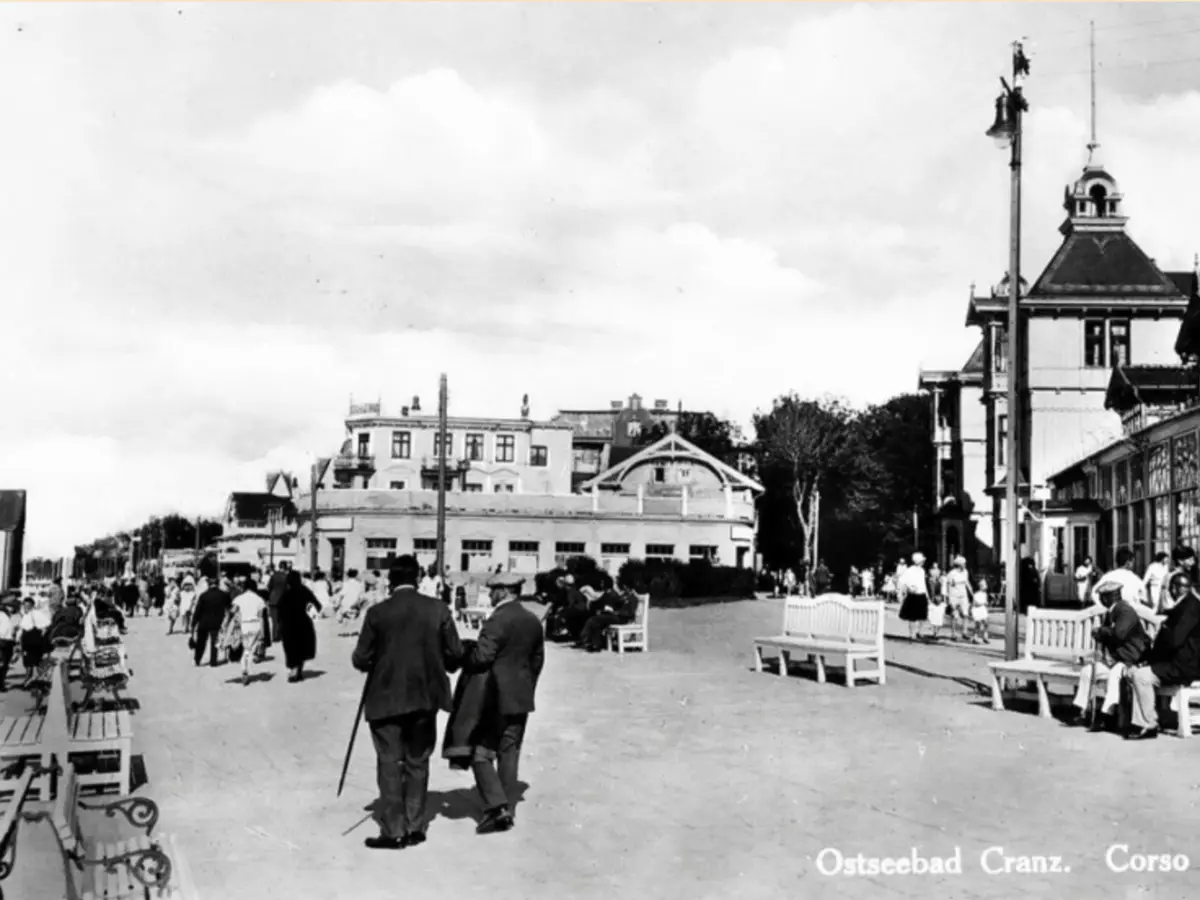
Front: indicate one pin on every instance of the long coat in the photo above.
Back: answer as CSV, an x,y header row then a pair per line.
x,y
408,644
296,630
512,646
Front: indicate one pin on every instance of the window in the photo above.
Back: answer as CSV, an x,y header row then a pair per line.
x,y
1187,526
1122,535
585,460
522,546
1118,342
473,488
999,350
948,488
381,552
1183,470
502,488
614,549
401,444
570,547
1159,465
539,456
633,429
477,546
1122,492
702,551
667,550
660,474
425,544
1106,487
1137,477
1093,344
1001,438
475,447
685,473
364,445
437,444
1105,343
506,448
1160,524
398,485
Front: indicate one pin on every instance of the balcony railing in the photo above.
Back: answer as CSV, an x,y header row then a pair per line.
x,y
453,462
357,461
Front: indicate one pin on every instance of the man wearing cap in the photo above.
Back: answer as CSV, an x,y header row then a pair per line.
x,y
512,647
407,645
1123,642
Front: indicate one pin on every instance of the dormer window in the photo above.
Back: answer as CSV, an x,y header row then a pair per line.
x,y
1099,200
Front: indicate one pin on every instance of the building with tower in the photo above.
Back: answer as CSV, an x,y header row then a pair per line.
x,y
1100,305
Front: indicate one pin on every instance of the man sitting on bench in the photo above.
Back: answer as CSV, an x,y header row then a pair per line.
x,y
1173,660
1123,642
611,609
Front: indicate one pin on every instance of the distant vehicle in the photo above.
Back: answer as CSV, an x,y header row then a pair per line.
x,y
177,563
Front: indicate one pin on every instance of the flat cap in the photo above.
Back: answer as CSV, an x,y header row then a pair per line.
x,y
506,580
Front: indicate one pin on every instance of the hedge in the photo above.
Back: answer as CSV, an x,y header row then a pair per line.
x,y
664,579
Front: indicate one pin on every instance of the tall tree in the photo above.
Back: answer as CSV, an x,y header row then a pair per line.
x,y
808,445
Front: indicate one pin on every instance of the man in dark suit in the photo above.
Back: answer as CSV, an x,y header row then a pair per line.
x,y
407,644
207,619
1174,658
276,586
1124,642
511,645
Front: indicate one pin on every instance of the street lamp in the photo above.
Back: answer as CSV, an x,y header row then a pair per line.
x,y
1006,132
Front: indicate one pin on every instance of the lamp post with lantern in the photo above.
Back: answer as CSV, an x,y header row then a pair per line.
x,y
1006,131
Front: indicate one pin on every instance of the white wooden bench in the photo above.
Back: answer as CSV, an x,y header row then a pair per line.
x,y
8,824
1058,643
135,867
830,626
60,733
634,635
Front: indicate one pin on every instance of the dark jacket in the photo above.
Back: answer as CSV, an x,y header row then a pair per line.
x,y
407,645
1175,656
296,630
276,585
511,645
1122,634
210,610
473,722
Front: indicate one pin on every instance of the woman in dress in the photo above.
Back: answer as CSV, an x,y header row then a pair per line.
x,y
296,631
958,596
913,592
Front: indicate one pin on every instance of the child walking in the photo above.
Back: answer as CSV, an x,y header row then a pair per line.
x,y
979,613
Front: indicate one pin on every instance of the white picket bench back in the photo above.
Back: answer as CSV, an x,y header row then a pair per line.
x,y
1067,634
834,618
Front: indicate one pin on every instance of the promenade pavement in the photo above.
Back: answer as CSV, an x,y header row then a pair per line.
x,y
680,773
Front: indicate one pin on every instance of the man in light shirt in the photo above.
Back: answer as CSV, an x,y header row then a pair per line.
x,y
350,597
1155,580
1133,589
251,610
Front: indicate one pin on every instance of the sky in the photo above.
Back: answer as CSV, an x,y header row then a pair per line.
x,y
220,222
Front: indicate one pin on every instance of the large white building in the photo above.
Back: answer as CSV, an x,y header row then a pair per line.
x,y
1099,303
509,499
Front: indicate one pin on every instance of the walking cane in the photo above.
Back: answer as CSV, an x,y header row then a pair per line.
x,y
1091,686
353,734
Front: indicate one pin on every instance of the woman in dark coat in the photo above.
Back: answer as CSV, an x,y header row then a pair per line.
x,y
296,631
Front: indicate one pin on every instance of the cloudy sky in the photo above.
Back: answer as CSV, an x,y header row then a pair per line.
x,y
219,221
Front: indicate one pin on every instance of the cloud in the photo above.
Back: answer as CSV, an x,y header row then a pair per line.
x,y
198,293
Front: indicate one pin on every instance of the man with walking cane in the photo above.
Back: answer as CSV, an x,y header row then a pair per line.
x,y
407,645
1121,641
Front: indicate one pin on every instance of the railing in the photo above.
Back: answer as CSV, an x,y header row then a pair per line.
x,y
453,462
354,461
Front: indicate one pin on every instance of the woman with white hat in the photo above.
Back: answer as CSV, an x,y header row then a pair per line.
x,y
958,596
913,592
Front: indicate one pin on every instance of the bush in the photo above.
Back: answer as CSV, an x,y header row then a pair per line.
x,y
585,570
668,578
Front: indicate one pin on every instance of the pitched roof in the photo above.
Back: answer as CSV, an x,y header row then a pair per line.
x,y
1132,386
248,507
1103,264
974,363
672,446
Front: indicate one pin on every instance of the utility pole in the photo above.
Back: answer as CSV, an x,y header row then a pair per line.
x,y
1006,130
272,517
312,542
443,401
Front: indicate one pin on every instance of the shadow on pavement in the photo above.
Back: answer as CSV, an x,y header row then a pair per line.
x,y
977,686
256,677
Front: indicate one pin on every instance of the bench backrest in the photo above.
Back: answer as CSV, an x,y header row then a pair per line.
x,y
58,707
1067,633
642,616
12,813
834,617
64,816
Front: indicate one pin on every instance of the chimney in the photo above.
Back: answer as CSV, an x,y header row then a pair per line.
x,y
635,401
525,407
660,404
416,404
404,411
617,404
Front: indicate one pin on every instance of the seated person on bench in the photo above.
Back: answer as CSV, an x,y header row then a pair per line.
x,y
611,609
1121,642
1173,660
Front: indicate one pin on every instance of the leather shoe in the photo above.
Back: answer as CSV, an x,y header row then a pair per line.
x,y
495,822
383,842
413,838
1142,734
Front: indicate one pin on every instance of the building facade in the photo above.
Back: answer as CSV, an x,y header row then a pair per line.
x,y
601,438
509,504
12,539
259,529
1100,303
962,509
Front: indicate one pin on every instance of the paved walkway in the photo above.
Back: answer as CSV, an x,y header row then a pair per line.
x,y
677,774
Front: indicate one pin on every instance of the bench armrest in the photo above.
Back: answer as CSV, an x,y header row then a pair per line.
x,y
140,812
